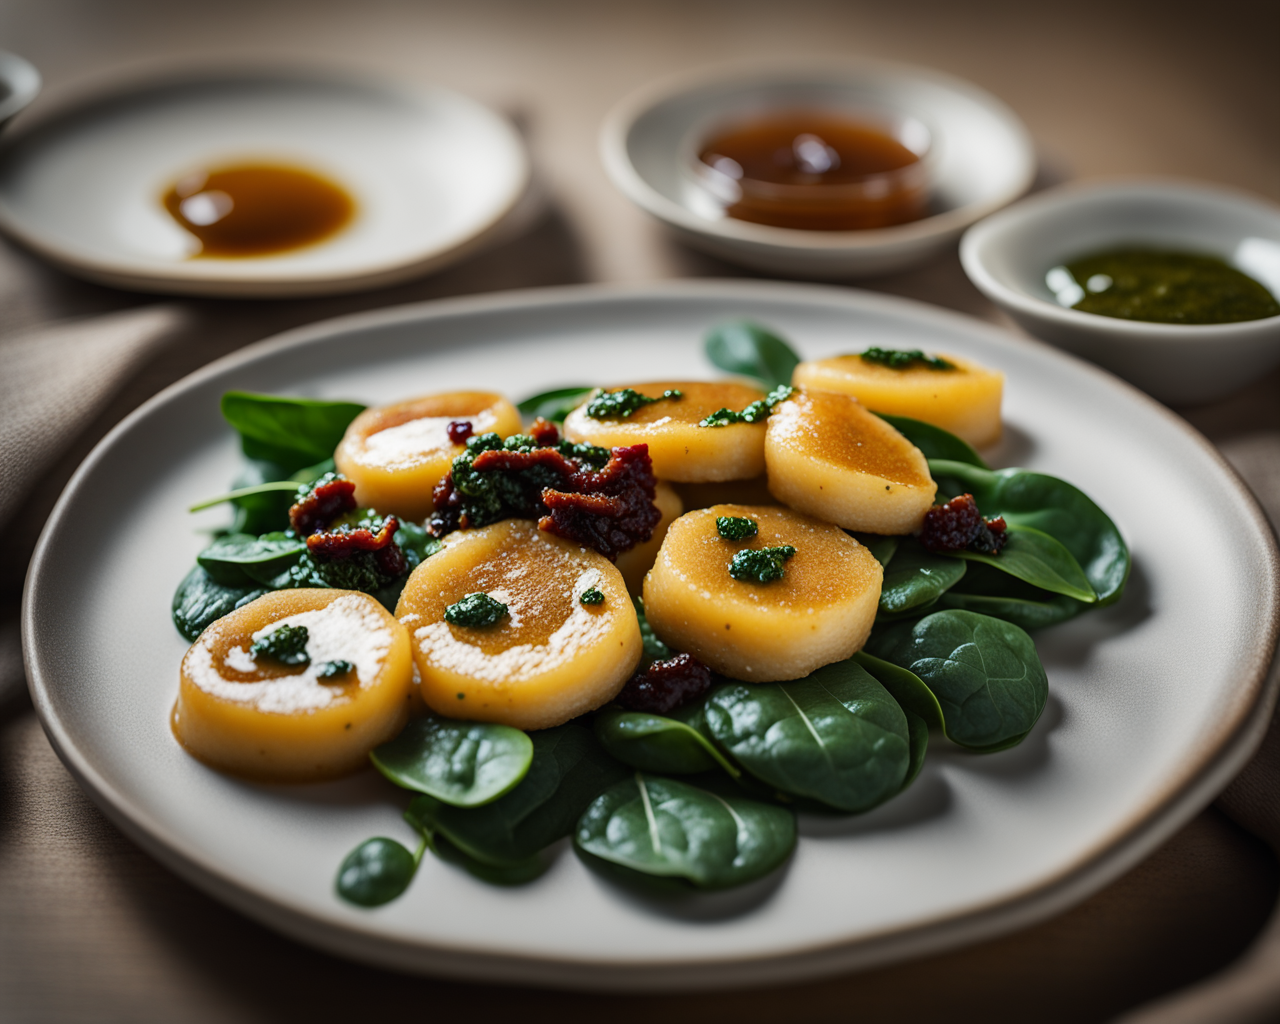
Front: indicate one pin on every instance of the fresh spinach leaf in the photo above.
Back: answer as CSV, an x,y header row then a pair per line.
x,y
657,743
917,577
985,673
671,829
199,601
293,432
836,736
569,769
1054,506
376,872
654,649
907,688
1034,557
263,494
242,560
518,873
934,442
748,349
465,764
918,741
553,405
882,548
1021,611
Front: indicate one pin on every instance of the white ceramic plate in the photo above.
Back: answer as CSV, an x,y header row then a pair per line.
x,y
1154,703
981,158
432,174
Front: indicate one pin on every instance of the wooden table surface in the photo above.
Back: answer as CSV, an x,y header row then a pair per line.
x,y
92,929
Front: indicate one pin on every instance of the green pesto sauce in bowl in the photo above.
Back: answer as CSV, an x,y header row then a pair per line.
x,y
1161,287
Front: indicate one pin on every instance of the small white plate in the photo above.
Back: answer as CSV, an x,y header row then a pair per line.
x,y
432,174
1008,256
981,158
1155,703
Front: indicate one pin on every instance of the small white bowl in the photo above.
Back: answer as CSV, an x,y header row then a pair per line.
x,y
1008,255
981,159
19,84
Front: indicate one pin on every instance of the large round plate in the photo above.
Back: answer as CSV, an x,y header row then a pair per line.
x,y
1154,703
432,174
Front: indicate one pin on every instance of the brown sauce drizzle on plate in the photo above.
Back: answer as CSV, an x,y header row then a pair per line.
x,y
258,209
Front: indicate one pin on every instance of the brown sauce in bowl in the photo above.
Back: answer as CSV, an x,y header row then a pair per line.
x,y
815,171
258,209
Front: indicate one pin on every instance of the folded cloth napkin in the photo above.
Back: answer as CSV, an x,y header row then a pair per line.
x,y
58,378
55,381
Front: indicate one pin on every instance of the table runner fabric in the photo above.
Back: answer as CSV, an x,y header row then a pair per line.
x,y
58,378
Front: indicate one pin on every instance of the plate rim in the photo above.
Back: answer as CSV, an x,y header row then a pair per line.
x,y
87,95
616,128
1218,757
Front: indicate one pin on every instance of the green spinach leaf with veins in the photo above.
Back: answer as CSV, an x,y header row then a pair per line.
x,y
243,560
199,601
671,829
464,764
292,432
569,769
1036,558
676,744
836,736
984,672
1051,505
915,577
747,348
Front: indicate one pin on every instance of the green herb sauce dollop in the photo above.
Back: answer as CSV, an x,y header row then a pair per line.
x,y
287,645
1161,287
761,565
736,527
756,412
475,610
614,405
904,359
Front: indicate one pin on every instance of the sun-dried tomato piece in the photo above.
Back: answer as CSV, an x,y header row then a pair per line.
x,y
459,431
666,685
517,462
959,526
329,498
609,509
544,432
346,541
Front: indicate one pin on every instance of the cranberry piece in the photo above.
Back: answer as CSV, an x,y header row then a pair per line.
x,y
666,685
459,431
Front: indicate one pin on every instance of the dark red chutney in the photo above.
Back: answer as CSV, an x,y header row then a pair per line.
x,y
330,497
959,526
334,496
606,507
665,685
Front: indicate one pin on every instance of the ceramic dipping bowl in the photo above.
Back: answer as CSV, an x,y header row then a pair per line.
x,y
1008,256
980,158
19,84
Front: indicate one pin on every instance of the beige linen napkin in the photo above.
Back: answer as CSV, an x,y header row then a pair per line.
x,y
53,382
